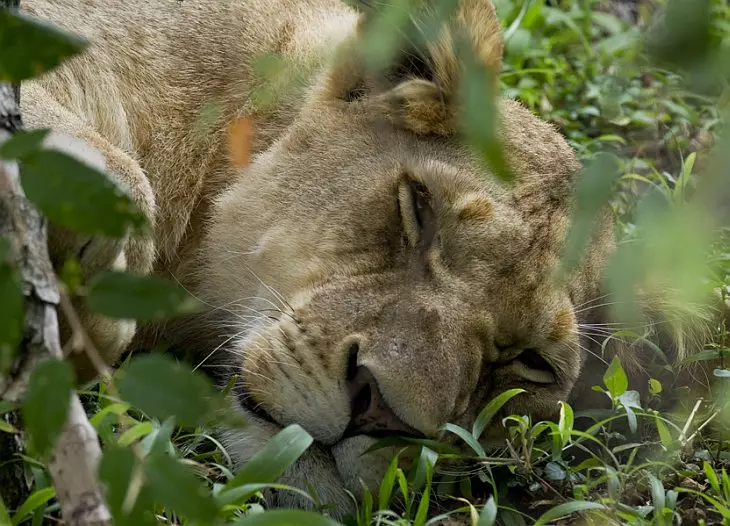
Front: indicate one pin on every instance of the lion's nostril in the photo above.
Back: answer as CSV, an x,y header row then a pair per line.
x,y
352,361
370,413
361,402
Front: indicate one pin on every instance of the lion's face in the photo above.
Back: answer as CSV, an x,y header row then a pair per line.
x,y
375,280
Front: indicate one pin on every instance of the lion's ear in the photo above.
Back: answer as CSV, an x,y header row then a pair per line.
x,y
417,88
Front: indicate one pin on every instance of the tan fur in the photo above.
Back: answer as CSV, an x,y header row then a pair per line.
x,y
318,245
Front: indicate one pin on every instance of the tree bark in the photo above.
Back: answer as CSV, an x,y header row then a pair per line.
x,y
75,456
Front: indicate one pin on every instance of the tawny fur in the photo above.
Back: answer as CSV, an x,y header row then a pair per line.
x,y
320,243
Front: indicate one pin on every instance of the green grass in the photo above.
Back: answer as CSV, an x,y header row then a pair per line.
x,y
587,72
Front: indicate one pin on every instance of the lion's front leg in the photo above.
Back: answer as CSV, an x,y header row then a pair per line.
x,y
72,135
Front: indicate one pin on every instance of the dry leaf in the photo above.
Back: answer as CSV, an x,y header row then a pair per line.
x,y
240,135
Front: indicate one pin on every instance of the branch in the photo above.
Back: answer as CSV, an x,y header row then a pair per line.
x,y
75,457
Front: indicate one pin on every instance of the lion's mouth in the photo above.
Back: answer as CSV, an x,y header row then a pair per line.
x,y
249,403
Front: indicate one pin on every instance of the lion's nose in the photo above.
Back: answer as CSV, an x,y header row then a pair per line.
x,y
370,415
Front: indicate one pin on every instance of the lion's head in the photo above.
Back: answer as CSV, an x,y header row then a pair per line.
x,y
373,277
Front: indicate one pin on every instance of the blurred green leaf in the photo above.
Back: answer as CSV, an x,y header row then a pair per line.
x,y
162,388
47,401
117,468
595,188
31,47
131,296
565,422
615,379
12,308
491,409
243,493
478,116
270,463
72,194
177,488
22,143
683,37
135,432
385,32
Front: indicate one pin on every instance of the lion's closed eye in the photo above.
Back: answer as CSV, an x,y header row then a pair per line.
x,y
417,214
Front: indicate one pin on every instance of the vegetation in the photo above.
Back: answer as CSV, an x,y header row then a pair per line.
x,y
642,106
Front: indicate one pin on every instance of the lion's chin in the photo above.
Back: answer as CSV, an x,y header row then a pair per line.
x,y
336,474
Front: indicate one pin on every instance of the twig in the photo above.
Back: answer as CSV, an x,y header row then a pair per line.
x,y
75,456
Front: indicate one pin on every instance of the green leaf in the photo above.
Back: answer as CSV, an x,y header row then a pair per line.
x,y
386,487
270,463
427,459
135,432
47,401
241,494
34,501
402,484
422,512
5,426
565,424
658,494
162,388
283,517
22,143
615,379
176,487
144,298
400,441
466,437
664,434
707,355
74,195
712,477
488,516
12,308
366,507
554,471
655,386
116,471
4,515
630,400
568,508
491,409
31,47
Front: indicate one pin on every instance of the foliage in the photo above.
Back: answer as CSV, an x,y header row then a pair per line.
x,y
649,108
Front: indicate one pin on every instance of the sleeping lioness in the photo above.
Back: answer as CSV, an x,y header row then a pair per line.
x,y
365,273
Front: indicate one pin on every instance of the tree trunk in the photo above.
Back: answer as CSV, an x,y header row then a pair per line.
x,y
76,453
13,486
